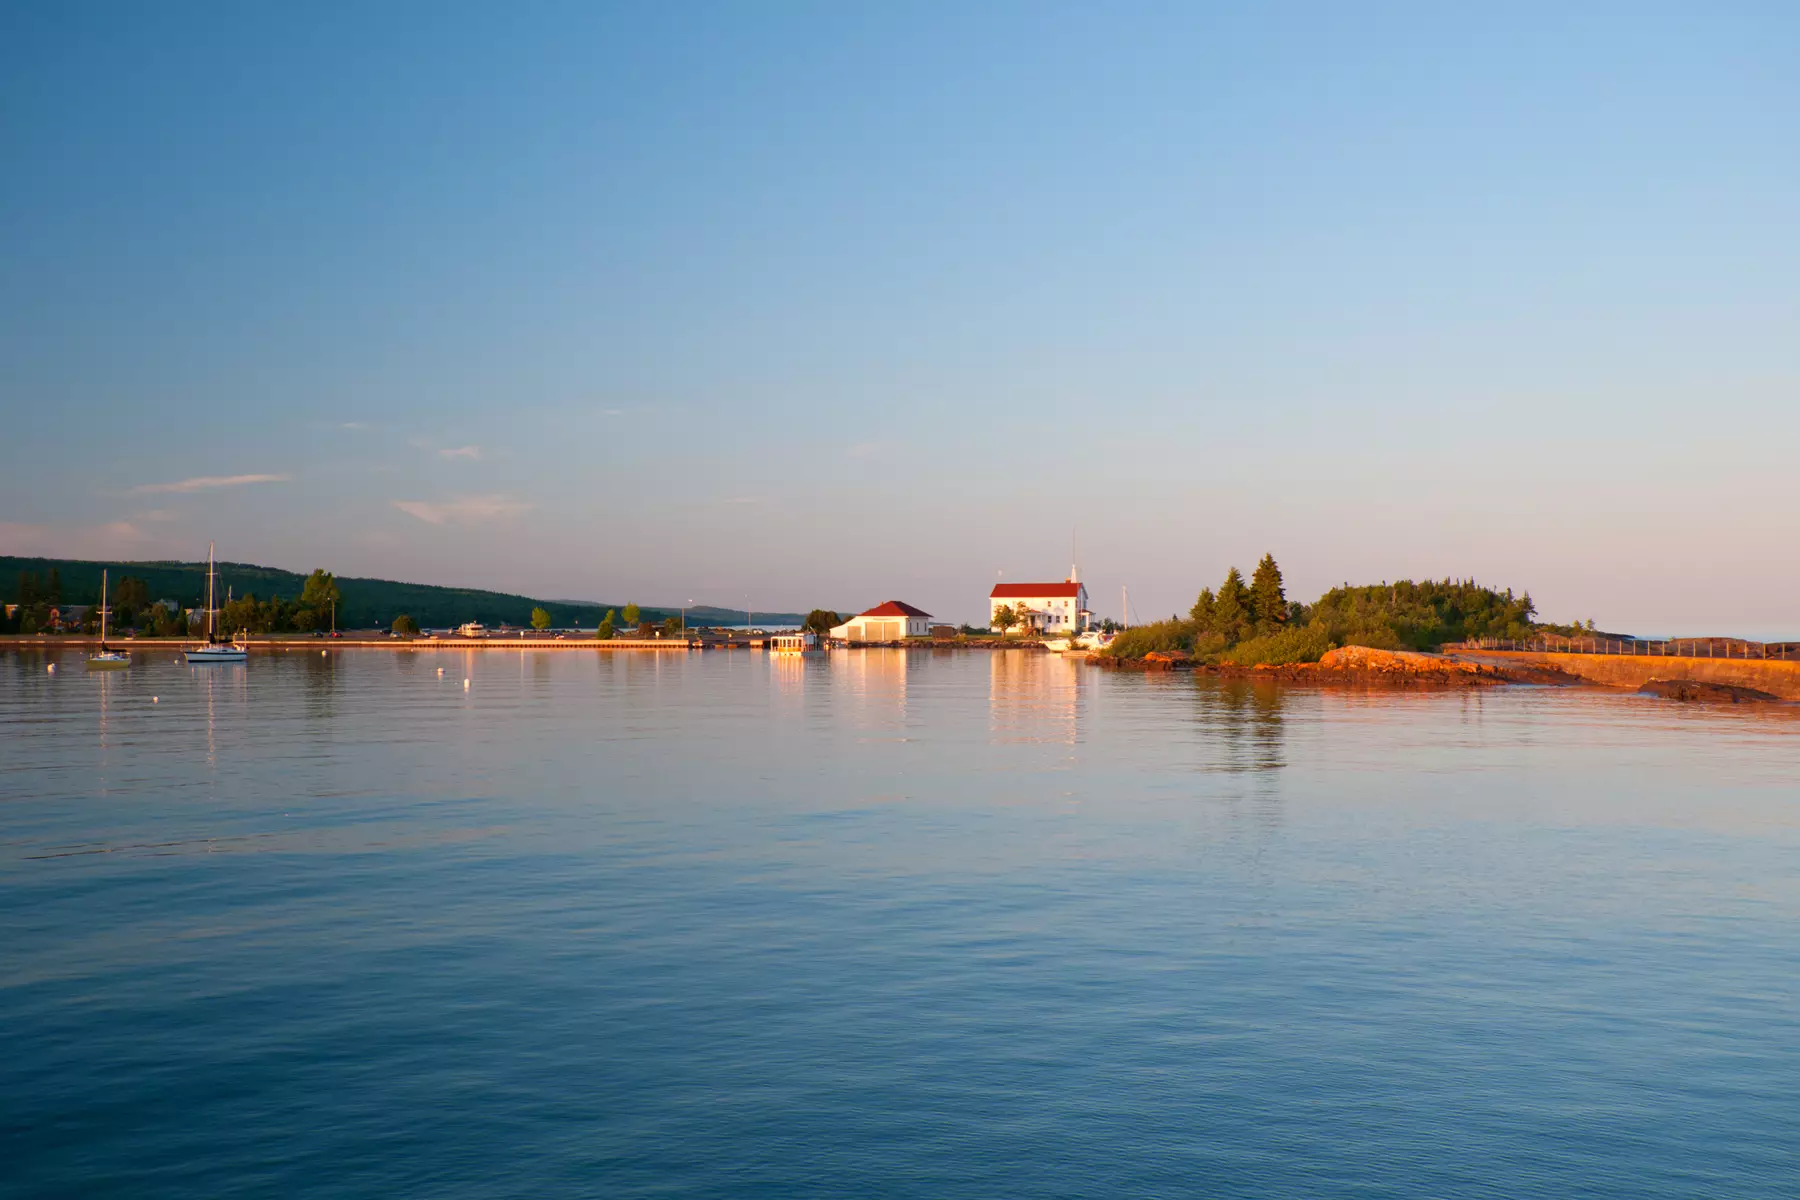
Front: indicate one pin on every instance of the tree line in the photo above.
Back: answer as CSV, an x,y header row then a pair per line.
x,y
134,611
1253,622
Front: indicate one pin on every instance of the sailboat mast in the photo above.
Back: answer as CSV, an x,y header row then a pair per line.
x,y
103,609
1124,608
209,591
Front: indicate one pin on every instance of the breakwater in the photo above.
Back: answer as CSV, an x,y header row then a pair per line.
x,y
1774,676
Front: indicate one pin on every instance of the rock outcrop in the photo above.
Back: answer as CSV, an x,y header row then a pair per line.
x,y
1359,666
1398,662
1693,690
1167,660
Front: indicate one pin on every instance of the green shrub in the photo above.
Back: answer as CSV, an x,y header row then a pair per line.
x,y
1161,635
1306,644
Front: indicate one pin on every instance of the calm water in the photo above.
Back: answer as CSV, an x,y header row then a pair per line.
x,y
940,926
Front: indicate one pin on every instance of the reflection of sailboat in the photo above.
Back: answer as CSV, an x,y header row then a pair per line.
x,y
216,649
106,660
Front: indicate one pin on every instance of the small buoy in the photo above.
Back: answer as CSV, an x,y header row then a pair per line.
x,y
465,685
321,654
51,668
153,699
440,672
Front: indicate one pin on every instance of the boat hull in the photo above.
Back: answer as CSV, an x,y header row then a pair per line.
x,y
223,654
109,662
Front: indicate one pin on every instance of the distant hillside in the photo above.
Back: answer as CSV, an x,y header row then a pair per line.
x,y
366,602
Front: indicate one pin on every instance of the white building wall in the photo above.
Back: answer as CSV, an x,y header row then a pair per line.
x,y
1053,614
881,629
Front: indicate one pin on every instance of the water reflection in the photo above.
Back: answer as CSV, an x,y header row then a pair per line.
x,y
320,675
787,674
1242,724
874,683
1034,697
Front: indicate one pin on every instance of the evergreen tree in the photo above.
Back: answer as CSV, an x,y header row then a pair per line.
x,y
1268,603
28,589
1204,610
53,588
1231,610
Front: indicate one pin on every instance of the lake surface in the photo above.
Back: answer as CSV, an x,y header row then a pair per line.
x,y
938,925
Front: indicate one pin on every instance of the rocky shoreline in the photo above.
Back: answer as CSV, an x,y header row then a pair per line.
x,y
1358,666
1362,666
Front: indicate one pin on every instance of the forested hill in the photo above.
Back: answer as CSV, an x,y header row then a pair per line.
x,y
365,603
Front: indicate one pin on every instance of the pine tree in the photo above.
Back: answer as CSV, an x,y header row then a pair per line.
x,y
53,587
1231,610
1268,603
1204,609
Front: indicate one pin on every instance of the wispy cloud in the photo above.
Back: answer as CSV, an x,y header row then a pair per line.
x,y
612,412
464,508
201,483
360,426
469,452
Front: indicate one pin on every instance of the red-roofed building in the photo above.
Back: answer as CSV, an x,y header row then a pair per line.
x,y
1043,607
890,622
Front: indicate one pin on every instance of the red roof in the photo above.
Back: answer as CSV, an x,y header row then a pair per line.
x,y
1030,591
895,608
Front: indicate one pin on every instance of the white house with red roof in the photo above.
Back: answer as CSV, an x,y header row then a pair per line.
x,y
890,622
1044,607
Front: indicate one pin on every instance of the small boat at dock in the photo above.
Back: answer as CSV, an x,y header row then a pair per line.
x,y
804,642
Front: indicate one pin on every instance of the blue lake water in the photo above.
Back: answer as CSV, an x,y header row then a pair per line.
x,y
937,925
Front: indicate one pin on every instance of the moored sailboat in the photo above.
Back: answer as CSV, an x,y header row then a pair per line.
x,y
216,648
106,660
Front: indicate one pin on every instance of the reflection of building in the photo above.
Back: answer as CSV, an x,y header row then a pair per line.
x,y
891,622
1034,697
872,685
1043,607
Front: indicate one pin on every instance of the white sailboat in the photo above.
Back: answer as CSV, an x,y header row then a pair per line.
x,y
106,660
216,648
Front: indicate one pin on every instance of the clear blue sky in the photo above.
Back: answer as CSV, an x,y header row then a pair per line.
x,y
830,304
